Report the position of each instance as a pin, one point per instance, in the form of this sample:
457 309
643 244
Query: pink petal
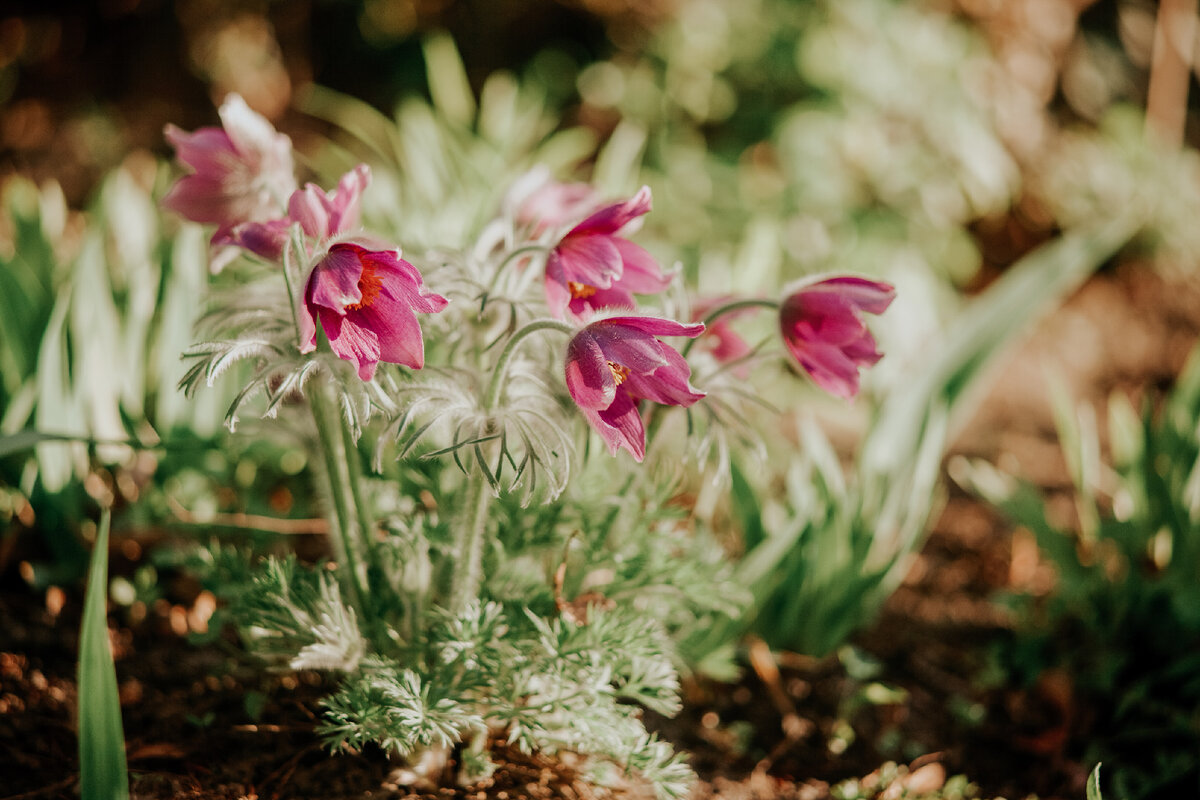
826 318
402 281
669 385
264 239
620 425
830 369
589 379
591 260
207 150
641 273
308 207
657 326
871 296
308 328
396 330
611 219
558 295
334 280
351 342
629 347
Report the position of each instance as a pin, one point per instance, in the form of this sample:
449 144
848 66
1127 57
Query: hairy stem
496 387
346 523
729 308
469 536
469 541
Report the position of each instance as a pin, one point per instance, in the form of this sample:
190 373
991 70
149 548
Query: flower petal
589 379
637 351
591 260
333 283
871 296
657 326
640 272
396 330
669 385
611 219
620 425
829 368
352 342
264 239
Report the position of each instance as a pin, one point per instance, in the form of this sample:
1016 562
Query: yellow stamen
580 291
620 372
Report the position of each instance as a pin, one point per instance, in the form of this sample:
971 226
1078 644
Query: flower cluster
364 297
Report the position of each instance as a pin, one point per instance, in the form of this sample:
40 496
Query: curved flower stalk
592 267
822 327
241 172
614 363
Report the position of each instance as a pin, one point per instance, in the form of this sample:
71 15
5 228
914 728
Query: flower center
620 372
370 284
580 291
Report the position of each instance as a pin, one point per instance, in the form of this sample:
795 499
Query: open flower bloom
615 362
366 301
822 326
591 267
241 172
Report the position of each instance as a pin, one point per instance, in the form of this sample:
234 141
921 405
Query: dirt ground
203 723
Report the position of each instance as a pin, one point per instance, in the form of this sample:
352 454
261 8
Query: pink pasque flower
241 172
614 363
822 326
591 267
321 215
365 301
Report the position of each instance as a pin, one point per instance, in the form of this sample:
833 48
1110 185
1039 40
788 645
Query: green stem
342 490
296 242
729 308
469 538
468 573
510 349
520 251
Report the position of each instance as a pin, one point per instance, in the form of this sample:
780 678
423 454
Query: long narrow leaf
102 771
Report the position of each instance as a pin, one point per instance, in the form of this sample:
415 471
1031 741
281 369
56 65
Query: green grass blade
102 771
1093 785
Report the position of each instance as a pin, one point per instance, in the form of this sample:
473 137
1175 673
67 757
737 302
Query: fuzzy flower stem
337 467
469 537
518 252
469 572
510 348
296 242
729 308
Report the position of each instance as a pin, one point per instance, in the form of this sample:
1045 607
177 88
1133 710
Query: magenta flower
591 267
241 172
614 363
365 301
822 325
321 215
